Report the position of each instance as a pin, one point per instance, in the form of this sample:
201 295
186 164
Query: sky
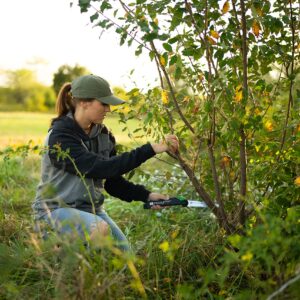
42 35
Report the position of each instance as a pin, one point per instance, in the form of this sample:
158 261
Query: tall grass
164 243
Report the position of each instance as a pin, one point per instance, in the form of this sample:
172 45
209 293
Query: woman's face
95 111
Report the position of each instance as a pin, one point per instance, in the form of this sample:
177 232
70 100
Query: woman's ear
84 104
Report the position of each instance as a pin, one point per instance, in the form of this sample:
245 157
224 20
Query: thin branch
171 89
283 287
216 181
120 27
243 162
163 87
189 9
291 100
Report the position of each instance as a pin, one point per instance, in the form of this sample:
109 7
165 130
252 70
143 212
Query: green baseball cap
94 87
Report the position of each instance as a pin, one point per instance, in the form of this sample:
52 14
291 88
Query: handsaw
175 201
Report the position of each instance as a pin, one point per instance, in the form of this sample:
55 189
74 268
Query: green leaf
173 60
163 37
148 37
167 47
94 17
178 72
174 39
105 5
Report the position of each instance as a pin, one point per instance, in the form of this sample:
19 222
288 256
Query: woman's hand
157 197
170 143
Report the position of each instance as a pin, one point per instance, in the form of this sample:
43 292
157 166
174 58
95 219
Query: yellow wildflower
164 246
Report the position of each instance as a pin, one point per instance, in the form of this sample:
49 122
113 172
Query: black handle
169 202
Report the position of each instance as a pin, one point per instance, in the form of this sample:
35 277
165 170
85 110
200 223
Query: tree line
22 90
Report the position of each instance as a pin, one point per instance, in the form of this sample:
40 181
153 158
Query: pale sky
45 34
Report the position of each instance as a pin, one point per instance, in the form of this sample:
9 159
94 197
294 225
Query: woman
81 161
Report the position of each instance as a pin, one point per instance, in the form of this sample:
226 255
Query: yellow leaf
238 93
162 61
164 97
164 246
214 34
269 126
259 11
174 234
226 161
257 111
211 40
155 21
225 8
297 181
256 28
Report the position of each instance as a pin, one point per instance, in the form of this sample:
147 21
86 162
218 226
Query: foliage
24 91
179 253
238 124
67 73
214 61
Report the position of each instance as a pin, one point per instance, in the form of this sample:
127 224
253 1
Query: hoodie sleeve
125 190
69 153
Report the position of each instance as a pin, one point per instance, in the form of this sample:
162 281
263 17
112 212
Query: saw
175 201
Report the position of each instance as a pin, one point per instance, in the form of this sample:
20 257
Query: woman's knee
99 229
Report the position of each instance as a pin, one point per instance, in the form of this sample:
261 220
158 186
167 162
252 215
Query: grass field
20 127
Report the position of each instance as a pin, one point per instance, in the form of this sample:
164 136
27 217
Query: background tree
23 91
67 73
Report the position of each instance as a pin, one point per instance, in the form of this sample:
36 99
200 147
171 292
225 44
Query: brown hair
65 102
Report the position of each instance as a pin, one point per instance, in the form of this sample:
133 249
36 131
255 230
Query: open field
20 127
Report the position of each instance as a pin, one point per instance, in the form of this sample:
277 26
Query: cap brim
111 100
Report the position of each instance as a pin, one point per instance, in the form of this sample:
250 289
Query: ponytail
64 102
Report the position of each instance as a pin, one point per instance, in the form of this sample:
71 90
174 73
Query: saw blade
194 203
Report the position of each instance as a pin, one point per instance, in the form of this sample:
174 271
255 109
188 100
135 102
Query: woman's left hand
157 197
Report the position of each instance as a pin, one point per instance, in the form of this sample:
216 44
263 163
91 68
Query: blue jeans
67 220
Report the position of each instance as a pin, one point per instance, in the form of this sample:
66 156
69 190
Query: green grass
20 127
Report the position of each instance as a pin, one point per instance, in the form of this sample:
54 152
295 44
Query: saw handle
165 203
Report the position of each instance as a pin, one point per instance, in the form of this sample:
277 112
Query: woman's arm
90 164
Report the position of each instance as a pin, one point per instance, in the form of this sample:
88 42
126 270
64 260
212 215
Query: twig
183 118
243 162
283 287
120 27
290 103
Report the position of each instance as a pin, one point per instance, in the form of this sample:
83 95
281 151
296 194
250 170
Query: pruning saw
175 201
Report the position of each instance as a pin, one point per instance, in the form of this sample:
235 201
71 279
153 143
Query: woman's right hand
169 143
